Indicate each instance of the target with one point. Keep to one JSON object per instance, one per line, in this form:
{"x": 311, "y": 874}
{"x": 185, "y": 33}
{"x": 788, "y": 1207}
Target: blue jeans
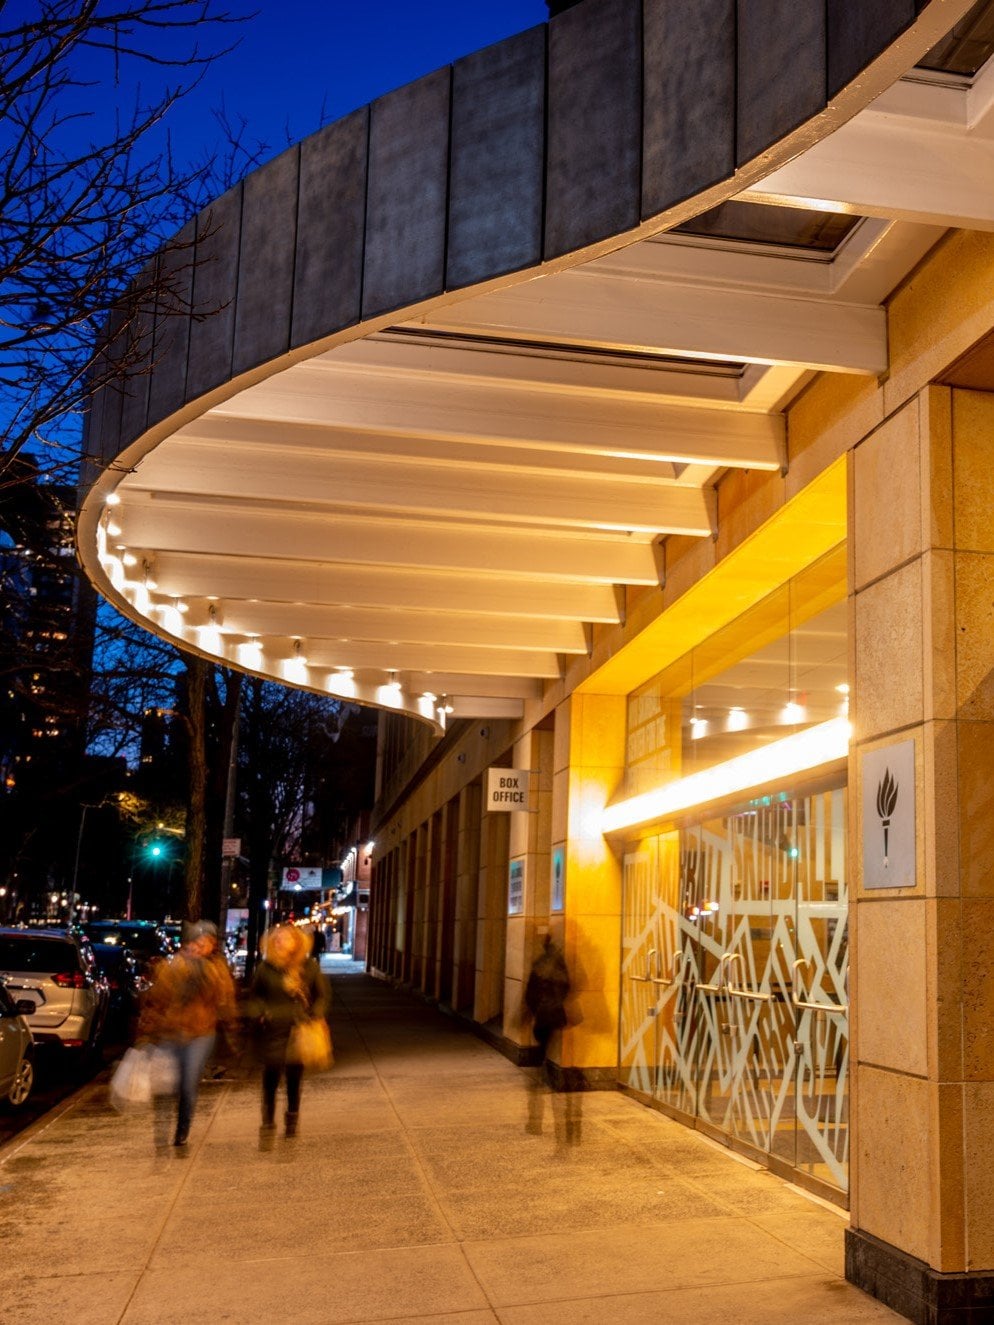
{"x": 191, "y": 1058}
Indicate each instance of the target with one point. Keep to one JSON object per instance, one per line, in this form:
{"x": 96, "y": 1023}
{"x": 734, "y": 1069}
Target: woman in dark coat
{"x": 546, "y": 993}
{"x": 287, "y": 988}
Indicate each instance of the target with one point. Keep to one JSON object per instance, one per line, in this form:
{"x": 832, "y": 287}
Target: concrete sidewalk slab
{"x": 430, "y": 1182}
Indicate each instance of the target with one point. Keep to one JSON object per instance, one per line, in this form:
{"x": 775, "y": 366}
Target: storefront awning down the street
{"x": 482, "y": 348}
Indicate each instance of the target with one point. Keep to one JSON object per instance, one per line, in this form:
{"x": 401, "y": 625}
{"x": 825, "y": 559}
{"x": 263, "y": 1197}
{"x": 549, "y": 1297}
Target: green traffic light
{"x": 155, "y": 849}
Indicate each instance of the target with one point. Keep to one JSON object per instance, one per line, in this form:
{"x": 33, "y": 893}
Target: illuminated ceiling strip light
{"x": 772, "y": 763}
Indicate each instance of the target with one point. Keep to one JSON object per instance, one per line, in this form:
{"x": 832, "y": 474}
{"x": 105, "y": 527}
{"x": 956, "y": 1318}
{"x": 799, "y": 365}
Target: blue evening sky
{"x": 301, "y": 62}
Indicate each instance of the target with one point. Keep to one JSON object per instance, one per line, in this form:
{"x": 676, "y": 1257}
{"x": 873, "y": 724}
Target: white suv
{"x": 16, "y": 1068}
{"x": 56, "y": 972}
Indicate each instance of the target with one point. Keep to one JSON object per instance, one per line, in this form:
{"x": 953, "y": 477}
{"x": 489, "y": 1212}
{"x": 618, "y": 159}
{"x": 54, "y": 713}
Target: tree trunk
{"x": 196, "y": 817}
{"x": 220, "y": 720}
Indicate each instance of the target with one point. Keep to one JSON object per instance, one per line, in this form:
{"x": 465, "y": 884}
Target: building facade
{"x": 613, "y": 412}
{"x": 47, "y": 627}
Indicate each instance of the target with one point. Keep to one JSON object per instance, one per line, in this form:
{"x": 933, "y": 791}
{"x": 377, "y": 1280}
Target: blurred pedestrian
{"x": 287, "y": 989}
{"x": 546, "y": 995}
{"x": 191, "y": 994}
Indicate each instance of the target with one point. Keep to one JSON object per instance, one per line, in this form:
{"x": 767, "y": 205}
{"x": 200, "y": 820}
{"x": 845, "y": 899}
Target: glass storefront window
{"x": 734, "y": 979}
{"x": 779, "y": 667}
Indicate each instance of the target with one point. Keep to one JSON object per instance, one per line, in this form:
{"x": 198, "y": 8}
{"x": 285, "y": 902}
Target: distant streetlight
{"x": 115, "y": 801}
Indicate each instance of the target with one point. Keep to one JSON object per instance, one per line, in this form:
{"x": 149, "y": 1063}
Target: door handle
{"x": 647, "y": 978}
{"x": 754, "y": 995}
{"x": 675, "y": 965}
{"x": 721, "y": 980}
{"x": 805, "y": 1005}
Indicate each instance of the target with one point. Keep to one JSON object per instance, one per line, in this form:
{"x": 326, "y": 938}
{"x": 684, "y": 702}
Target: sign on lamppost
{"x": 301, "y": 878}
{"x": 888, "y": 779}
{"x": 231, "y": 846}
{"x": 508, "y": 789}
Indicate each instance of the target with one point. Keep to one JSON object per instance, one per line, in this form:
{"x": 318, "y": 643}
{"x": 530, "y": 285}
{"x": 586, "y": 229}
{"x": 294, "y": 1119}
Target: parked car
{"x": 173, "y": 931}
{"x": 125, "y": 979}
{"x": 55, "y": 971}
{"x": 236, "y": 955}
{"x": 143, "y": 937}
{"x": 17, "y": 1073}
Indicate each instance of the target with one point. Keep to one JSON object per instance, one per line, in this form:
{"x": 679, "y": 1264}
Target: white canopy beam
{"x": 214, "y": 527}
{"x": 403, "y": 626}
{"x": 359, "y": 654}
{"x": 892, "y": 166}
{"x": 378, "y": 411}
{"x": 589, "y": 306}
{"x": 305, "y": 583}
{"x": 491, "y": 494}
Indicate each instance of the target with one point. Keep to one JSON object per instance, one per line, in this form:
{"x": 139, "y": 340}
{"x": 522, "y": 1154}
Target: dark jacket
{"x": 274, "y": 1011}
{"x": 547, "y": 990}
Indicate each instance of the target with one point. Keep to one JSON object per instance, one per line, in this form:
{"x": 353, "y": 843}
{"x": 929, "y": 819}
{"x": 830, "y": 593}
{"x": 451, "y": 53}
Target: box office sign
{"x": 507, "y": 788}
{"x": 888, "y": 779}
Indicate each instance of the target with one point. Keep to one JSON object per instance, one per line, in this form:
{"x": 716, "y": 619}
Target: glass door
{"x": 638, "y": 1049}
{"x": 741, "y": 1026}
{"x": 675, "y": 979}
{"x": 816, "y": 1096}
{"x": 658, "y": 976}
{"x": 734, "y": 978}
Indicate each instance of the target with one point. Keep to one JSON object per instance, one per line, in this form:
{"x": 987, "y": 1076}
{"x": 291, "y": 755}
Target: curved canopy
{"x": 435, "y": 385}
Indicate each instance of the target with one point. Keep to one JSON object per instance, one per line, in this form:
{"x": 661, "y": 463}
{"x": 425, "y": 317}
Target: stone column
{"x": 402, "y": 929}
{"x": 447, "y": 867}
{"x": 491, "y": 911}
{"x": 588, "y": 769}
{"x": 922, "y": 973}
{"x": 419, "y": 935}
{"x": 433, "y": 904}
{"x": 529, "y": 844}
{"x": 467, "y": 868}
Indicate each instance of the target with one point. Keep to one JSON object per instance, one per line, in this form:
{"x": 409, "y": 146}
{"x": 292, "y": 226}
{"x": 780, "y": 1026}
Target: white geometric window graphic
{"x": 735, "y": 974}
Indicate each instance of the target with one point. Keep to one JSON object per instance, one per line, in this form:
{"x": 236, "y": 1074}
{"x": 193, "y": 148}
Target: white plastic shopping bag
{"x": 131, "y": 1083}
{"x": 143, "y": 1072}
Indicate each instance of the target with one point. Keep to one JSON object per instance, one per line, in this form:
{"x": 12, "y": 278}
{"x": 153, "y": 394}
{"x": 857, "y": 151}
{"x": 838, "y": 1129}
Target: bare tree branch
{"x": 86, "y": 204}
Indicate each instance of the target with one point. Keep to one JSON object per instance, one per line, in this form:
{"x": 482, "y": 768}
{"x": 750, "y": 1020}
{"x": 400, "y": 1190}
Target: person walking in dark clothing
{"x": 546, "y": 994}
{"x": 287, "y": 989}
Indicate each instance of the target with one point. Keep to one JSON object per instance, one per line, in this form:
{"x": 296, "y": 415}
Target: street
{"x": 56, "y": 1078}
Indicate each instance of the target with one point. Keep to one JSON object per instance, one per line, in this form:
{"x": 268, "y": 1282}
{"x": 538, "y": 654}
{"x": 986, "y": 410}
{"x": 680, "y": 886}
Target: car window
{"x": 36, "y": 954}
{"x": 109, "y": 956}
{"x": 141, "y": 940}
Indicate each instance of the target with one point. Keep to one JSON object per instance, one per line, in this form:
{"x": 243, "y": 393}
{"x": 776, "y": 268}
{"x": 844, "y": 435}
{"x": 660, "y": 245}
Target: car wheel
{"x": 89, "y": 1055}
{"x": 22, "y": 1085}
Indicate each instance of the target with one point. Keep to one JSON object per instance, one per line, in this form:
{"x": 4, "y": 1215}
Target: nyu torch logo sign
{"x": 887, "y": 790}
{"x": 888, "y": 777}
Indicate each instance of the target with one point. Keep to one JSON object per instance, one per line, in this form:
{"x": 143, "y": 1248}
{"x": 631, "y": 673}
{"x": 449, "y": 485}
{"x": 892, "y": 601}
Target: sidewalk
{"x": 414, "y": 1193}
